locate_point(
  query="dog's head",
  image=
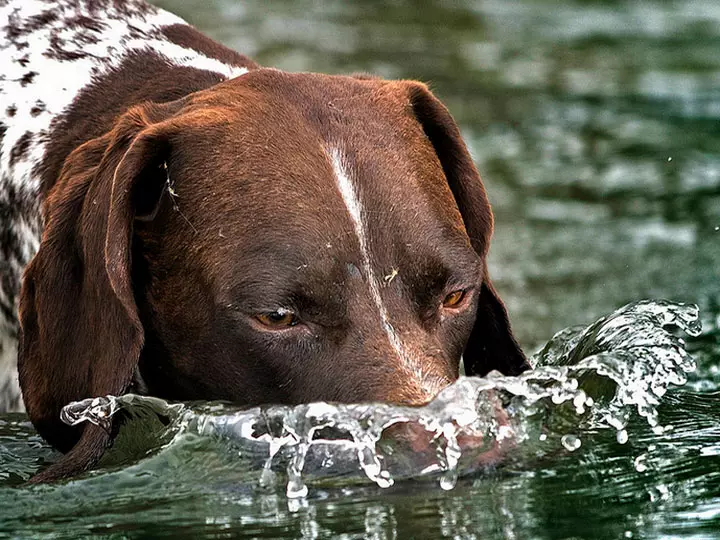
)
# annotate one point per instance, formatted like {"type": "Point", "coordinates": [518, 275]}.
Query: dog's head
{"type": "Point", "coordinates": [278, 238]}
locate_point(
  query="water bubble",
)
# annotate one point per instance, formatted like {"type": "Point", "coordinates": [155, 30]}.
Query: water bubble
{"type": "Point", "coordinates": [663, 492]}
{"type": "Point", "coordinates": [296, 489]}
{"type": "Point", "coordinates": [641, 463]}
{"type": "Point", "coordinates": [450, 457]}
{"type": "Point", "coordinates": [579, 402]}
{"type": "Point", "coordinates": [448, 480]}
{"type": "Point", "coordinates": [571, 442]}
{"type": "Point", "coordinates": [622, 436]}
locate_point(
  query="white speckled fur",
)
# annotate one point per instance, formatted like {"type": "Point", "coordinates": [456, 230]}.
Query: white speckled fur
{"type": "Point", "coordinates": [55, 84]}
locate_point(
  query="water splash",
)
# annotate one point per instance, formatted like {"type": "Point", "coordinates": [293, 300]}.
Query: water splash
{"type": "Point", "coordinates": [596, 377]}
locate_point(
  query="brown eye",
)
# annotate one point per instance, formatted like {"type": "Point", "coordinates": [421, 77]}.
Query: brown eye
{"type": "Point", "coordinates": [454, 299]}
{"type": "Point", "coordinates": [278, 320]}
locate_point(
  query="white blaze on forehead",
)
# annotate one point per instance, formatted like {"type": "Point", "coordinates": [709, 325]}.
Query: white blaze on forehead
{"type": "Point", "coordinates": [353, 203]}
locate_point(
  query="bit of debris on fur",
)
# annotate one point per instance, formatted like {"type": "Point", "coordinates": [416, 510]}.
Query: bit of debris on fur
{"type": "Point", "coordinates": [388, 279]}
{"type": "Point", "coordinates": [174, 195]}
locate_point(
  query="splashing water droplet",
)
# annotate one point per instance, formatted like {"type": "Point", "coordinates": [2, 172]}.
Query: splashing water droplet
{"type": "Point", "coordinates": [579, 402]}
{"type": "Point", "coordinates": [618, 368]}
{"type": "Point", "coordinates": [448, 480]}
{"type": "Point", "coordinates": [571, 442]}
{"type": "Point", "coordinates": [372, 467]}
{"type": "Point", "coordinates": [451, 456]}
{"type": "Point", "coordinates": [296, 488]}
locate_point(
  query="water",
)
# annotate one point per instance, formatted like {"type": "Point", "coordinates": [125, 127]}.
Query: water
{"type": "Point", "coordinates": [620, 366]}
{"type": "Point", "coordinates": [595, 127]}
{"type": "Point", "coordinates": [599, 419]}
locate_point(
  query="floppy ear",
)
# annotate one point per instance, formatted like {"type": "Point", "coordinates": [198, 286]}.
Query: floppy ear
{"type": "Point", "coordinates": [80, 331]}
{"type": "Point", "coordinates": [491, 344]}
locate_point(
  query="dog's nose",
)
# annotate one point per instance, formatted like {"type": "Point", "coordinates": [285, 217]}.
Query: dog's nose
{"type": "Point", "coordinates": [418, 388]}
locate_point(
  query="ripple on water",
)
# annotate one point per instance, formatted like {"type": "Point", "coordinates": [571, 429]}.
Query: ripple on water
{"type": "Point", "coordinates": [599, 377]}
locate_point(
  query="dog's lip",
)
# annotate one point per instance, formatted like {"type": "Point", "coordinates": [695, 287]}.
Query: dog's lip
{"type": "Point", "coordinates": [485, 448]}
{"type": "Point", "coordinates": [485, 451]}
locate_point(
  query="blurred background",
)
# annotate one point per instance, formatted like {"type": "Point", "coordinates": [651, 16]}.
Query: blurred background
{"type": "Point", "coordinates": [594, 125]}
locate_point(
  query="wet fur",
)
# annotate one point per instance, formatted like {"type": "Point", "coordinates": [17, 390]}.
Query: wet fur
{"type": "Point", "coordinates": [168, 202]}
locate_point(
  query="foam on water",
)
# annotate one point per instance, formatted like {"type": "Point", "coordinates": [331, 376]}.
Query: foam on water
{"type": "Point", "coordinates": [596, 377]}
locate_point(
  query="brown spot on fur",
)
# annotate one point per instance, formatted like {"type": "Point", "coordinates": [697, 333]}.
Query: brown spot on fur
{"type": "Point", "coordinates": [28, 78]}
{"type": "Point", "coordinates": [13, 30]}
{"type": "Point", "coordinates": [57, 51]}
{"type": "Point", "coordinates": [37, 108]}
{"type": "Point", "coordinates": [19, 151]}
{"type": "Point", "coordinates": [11, 111]}
{"type": "Point", "coordinates": [86, 38]}
{"type": "Point", "coordinates": [85, 23]}
{"type": "Point", "coordinates": [36, 22]}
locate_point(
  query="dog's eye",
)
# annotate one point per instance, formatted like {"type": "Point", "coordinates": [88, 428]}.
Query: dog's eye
{"type": "Point", "coordinates": [279, 319]}
{"type": "Point", "coordinates": [454, 299]}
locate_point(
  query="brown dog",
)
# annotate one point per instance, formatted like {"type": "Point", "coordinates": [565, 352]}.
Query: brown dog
{"type": "Point", "coordinates": [217, 230]}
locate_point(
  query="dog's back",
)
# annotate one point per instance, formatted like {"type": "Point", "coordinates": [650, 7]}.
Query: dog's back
{"type": "Point", "coordinates": [67, 70]}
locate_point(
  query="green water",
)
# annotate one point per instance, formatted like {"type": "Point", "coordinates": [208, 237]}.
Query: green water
{"type": "Point", "coordinates": [596, 127]}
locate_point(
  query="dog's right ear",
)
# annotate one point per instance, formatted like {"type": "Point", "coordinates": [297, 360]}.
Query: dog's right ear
{"type": "Point", "coordinates": [81, 335]}
{"type": "Point", "coordinates": [491, 345]}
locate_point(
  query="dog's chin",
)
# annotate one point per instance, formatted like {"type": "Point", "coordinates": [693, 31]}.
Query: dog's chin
{"type": "Point", "coordinates": [479, 448]}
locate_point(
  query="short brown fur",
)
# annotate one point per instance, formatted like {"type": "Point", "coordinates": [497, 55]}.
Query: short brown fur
{"type": "Point", "coordinates": [178, 219]}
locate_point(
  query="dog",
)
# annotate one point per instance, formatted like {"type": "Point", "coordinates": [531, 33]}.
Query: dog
{"type": "Point", "coordinates": [178, 221]}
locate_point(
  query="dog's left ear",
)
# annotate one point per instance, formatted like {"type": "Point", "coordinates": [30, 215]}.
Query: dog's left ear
{"type": "Point", "coordinates": [81, 334]}
{"type": "Point", "coordinates": [491, 344]}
